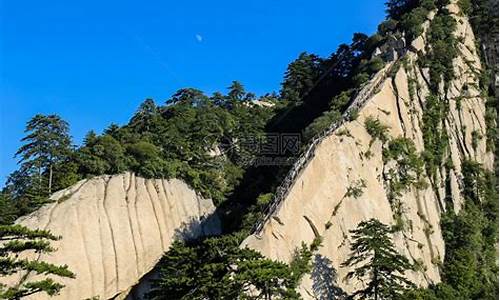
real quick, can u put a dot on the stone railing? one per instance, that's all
(302, 161)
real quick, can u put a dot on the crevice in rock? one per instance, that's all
(313, 227)
(398, 105)
(138, 222)
(108, 221)
(85, 250)
(131, 227)
(155, 213)
(159, 189)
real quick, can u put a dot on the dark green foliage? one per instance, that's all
(8, 209)
(160, 141)
(44, 163)
(217, 268)
(300, 77)
(409, 164)
(387, 26)
(397, 8)
(236, 91)
(101, 155)
(320, 124)
(356, 189)
(146, 160)
(337, 106)
(16, 239)
(465, 6)
(374, 65)
(366, 69)
(470, 265)
(412, 22)
(491, 119)
(470, 269)
(264, 199)
(376, 129)
(408, 171)
(483, 16)
(361, 78)
(47, 143)
(435, 138)
(407, 16)
(442, 49)
(376, 262)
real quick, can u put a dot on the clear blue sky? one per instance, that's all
(93, 62)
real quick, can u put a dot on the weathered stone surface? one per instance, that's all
(317, 201)
(116, 228)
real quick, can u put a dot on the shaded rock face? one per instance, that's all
(317, 202)
(116, 228)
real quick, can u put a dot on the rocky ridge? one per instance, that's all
(316, 203)
(115, 229)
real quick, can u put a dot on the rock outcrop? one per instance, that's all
(318, 203)
(116, 228)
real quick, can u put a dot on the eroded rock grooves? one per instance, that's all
(314, 191)
(115, 229)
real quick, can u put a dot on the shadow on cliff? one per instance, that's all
(190, 231)
(324, 277)
(196, 228)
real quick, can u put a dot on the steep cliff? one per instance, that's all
(319, 203)
(116, 228)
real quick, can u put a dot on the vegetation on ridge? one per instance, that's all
(376, 262)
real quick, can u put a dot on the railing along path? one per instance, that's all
(302, 161)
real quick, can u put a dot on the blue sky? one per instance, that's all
(93, 62)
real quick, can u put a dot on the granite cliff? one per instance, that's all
(116, 228)
(318, 203)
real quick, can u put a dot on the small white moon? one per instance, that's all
(199, 38)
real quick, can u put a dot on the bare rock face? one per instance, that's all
(116, 228)
(317, 203)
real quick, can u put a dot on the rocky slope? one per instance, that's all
(116, 228)
(317, 203)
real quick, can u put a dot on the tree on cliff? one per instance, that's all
(47, 143)
(217, 268)
(16, 239)
(374, 257)
(236, 90)
(300, 77)
(397, 8)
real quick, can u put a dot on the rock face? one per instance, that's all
(317, 203)
(116, 228)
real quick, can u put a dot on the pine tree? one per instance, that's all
(16, 239)
(217, 268)
(376, 262)
(143, 120)
(397, 8)
(8, 211)
(300, 77)
(47, 143)
(236, 91)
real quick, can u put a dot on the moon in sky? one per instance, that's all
(199, 38)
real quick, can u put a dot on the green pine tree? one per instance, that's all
(47, 143)
(376, 262)
(217, 268)
(300, 77)
(17, 239)
(236, 90)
